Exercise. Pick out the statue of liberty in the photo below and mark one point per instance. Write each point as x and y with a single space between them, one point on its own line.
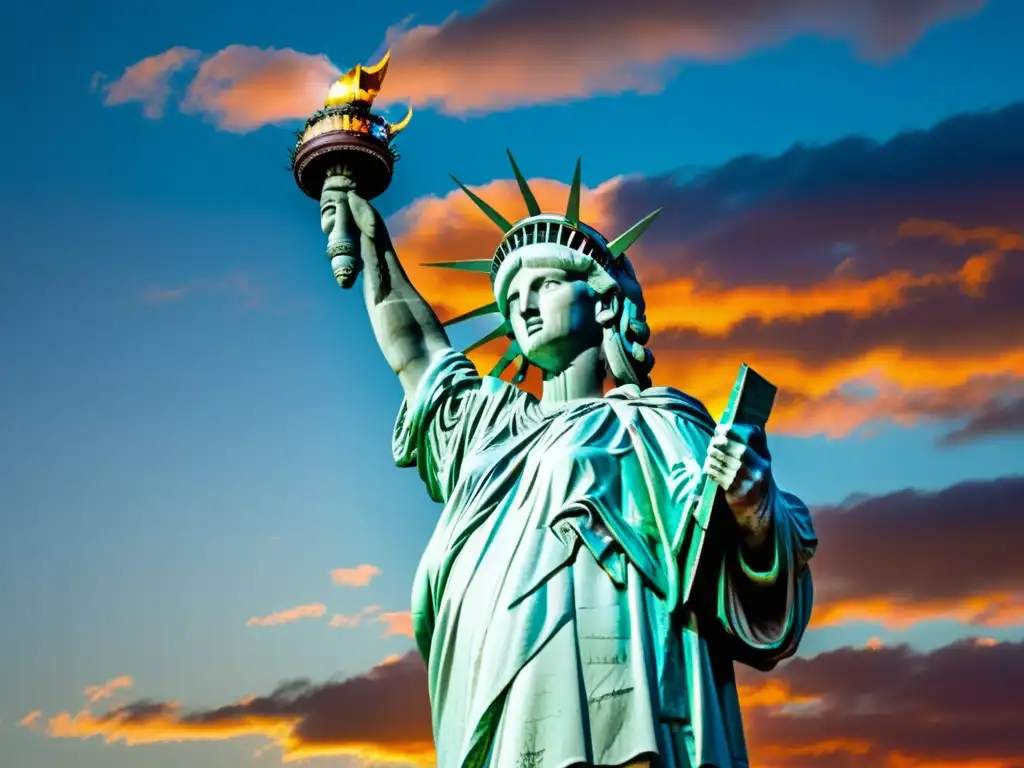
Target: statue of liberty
604 555
549 604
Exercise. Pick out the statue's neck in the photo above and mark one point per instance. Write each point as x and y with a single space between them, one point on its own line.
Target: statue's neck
582 379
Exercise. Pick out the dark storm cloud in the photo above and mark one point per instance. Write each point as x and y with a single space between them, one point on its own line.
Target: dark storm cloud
997 418
868 707
795 217
905 555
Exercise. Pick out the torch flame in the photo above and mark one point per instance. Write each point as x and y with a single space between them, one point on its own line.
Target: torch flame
359 84
394 128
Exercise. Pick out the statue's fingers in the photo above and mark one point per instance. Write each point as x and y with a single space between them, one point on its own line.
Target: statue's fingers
729 446
719 472
373 271
725 459
364 214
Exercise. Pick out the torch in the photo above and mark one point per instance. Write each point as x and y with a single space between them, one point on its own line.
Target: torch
346 139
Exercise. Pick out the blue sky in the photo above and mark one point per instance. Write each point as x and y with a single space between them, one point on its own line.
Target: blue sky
196 421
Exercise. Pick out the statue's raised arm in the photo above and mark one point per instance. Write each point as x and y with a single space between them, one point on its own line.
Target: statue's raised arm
406 327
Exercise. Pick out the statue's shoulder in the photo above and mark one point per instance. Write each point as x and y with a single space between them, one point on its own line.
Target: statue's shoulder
680 404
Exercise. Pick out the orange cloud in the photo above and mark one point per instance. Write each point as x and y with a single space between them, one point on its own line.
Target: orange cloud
243 87
526 52
909 557
904 381
1001 609
311 611
397 623
513 52
890 707
381 716
359 576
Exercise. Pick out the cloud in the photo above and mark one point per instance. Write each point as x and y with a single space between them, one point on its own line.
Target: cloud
359 576
872 282
892 558
311 611
511 53
396 623
238 285
890 707
514 52
381 716
242 87
915 556
353 620
147 81
31 719
999 416
96 693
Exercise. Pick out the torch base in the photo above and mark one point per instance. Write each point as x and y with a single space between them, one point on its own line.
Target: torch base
370 162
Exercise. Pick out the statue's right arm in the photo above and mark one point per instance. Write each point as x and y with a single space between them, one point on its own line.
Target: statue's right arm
407 329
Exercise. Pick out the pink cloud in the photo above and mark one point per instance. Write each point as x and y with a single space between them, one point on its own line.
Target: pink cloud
147 81
243 87
341 620
516 52
96 693
397 623
358 576
311 611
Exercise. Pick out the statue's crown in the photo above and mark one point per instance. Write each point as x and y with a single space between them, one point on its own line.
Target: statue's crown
559 228
563 229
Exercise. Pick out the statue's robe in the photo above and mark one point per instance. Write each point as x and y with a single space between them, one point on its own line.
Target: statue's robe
542 604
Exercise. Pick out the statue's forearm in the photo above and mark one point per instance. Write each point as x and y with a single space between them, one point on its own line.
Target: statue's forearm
407 329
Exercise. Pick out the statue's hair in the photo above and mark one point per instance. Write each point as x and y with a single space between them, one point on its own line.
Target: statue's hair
627 359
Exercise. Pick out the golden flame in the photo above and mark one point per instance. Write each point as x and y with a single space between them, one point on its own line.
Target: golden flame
358 84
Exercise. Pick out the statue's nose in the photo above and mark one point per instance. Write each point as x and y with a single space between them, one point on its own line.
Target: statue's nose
528 305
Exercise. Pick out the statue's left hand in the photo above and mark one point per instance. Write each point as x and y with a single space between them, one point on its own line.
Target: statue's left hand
738 460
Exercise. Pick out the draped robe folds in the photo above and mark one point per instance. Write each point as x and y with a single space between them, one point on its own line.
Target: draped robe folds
541 604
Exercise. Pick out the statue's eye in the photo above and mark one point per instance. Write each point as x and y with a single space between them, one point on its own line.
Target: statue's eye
327 210
550 283
512 297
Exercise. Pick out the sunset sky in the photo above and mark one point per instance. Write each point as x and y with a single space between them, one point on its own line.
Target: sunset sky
206 551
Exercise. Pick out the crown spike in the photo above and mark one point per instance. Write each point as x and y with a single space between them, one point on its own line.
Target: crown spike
467 265
524 188
491 214
572 210
497 333
620 244
486 309
511 354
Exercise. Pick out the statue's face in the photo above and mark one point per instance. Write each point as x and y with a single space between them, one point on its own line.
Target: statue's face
553 315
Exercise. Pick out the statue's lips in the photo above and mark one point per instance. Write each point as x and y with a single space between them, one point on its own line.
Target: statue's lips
533 326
